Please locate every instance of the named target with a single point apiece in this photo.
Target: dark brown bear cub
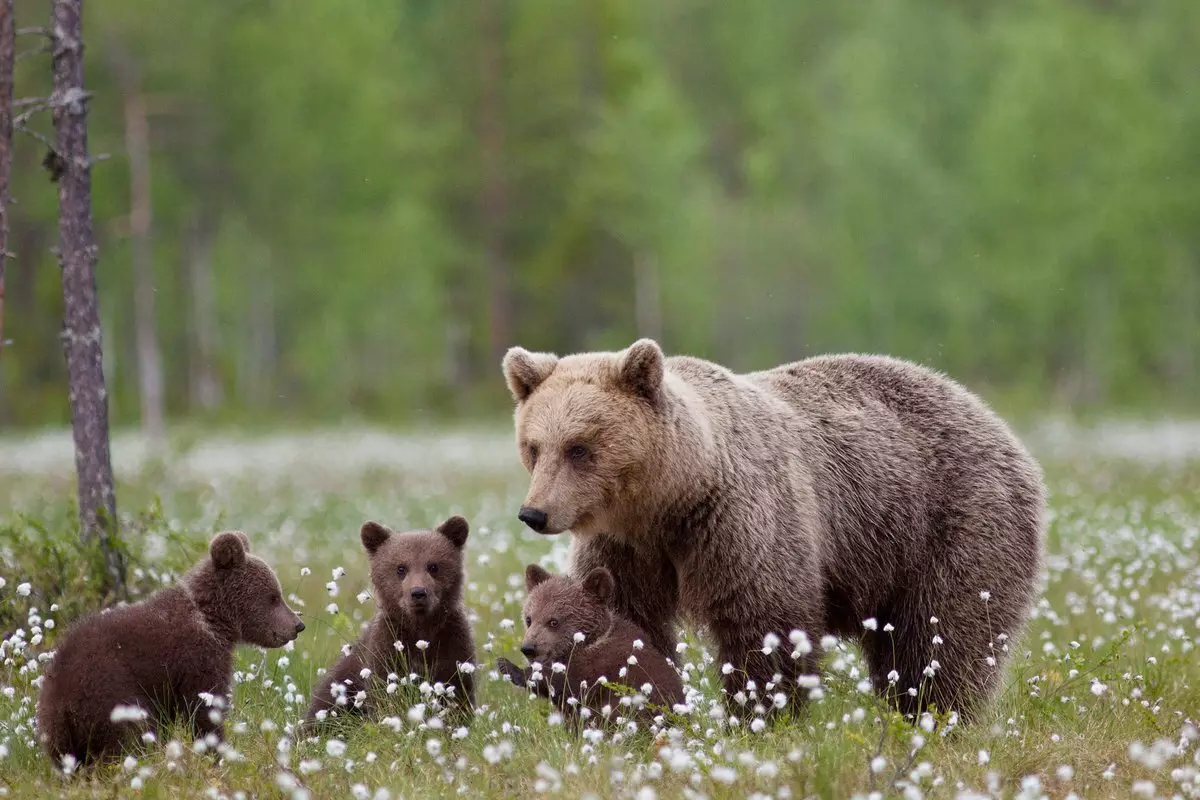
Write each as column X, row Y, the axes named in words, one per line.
column 420, row 624
column 119, row 673
column 586, row 649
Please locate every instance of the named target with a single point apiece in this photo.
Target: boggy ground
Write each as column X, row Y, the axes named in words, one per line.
column 1102, row 699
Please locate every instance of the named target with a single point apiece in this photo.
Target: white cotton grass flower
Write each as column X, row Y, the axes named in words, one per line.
column 336, row 748
column 985, row 595
column 578, row 637
column 24, row 589
column 870, row 623
column 878, row 764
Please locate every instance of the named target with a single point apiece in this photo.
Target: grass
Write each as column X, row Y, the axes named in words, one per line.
column 1102, row 698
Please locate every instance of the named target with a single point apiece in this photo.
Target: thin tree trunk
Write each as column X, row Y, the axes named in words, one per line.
column 204, row 385
column 7, row 61
column 494, row 195
column 81, row 324
column 647, row 296
column 149, row 355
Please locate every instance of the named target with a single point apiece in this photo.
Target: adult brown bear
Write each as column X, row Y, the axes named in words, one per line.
column 789, row 504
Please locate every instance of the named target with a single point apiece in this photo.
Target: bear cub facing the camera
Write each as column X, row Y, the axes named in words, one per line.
column 420, row 624
column 122, row 673
column 573, row 623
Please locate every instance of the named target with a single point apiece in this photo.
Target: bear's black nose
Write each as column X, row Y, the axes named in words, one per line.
column 528, row 651
column 418, row 593
column 533, row 518
column 299, row 627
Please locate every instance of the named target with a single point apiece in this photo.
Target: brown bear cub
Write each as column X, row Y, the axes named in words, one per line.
column 586, row 649
column 420, row 625
column 121, row 673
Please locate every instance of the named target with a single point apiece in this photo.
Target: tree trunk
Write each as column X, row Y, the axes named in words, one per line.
column 149, row 355
column 7, row 61
column 647, row 297
column 81, row 323
column 203, row 383
column 494, row 194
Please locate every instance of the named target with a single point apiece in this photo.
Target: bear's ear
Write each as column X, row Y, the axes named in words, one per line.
column 524, row 371
column 227, row 550
column 373, row 535
column 245, row 540
column 641, row 369
column 535, row 575
column 599, row 583
column 455, row 529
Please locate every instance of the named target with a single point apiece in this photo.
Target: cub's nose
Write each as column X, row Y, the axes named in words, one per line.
column 533, row 517
column 528, row 651
column 299, row 628
column 418, row 593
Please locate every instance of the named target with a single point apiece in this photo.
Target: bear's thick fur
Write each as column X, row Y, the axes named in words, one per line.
column 417, row 578
column 573, row 623
column 809, row 497
column 117, row 674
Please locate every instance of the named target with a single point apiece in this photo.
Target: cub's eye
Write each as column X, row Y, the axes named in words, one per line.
column 553, row 623
column 577, row 452
column 528, row 621
column 276, row 600
column 402, row 570
column 533, row 453
column 433, row 568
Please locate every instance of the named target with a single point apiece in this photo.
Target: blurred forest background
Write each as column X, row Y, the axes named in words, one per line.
column 318, row 209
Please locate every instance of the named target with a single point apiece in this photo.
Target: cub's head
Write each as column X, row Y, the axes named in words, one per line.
column 589, row 430
column 417, row 573
column 557, row 608
column 243, row 589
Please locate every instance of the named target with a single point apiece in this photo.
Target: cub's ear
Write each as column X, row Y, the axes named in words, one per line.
column 641, row 369
column 373, row 535
column 245, row 540
column 599, row 583
column 455, row 529
column 535, row 575
column 524, row 371
column 227, row 550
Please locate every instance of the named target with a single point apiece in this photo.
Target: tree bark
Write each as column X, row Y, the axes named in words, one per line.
column 149, row 354
column 204, row 385
column 7, row 62
column 81, row 315
column 647, row 297
column 494, row 194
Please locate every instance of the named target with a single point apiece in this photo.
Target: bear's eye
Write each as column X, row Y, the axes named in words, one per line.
column 275, row 599
column 533, row 453
column 553, row 622
column 528, row 621
column 402, row 570
column 433, row 568
column 577, row 452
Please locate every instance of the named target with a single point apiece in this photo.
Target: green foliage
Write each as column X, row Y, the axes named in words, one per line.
column 1005, row 193
column 69, row 575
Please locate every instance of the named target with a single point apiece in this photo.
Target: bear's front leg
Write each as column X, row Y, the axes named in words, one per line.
column 345, row 674
column 752, row 677
column 647, row 588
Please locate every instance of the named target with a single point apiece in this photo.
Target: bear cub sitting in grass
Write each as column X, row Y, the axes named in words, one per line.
column 581, row 647
column 121, row 673
column 420, row 624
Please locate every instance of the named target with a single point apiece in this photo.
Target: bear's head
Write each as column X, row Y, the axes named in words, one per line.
column 589, row 431
column 242, row 593
column 558, row 608
column 416, row 574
